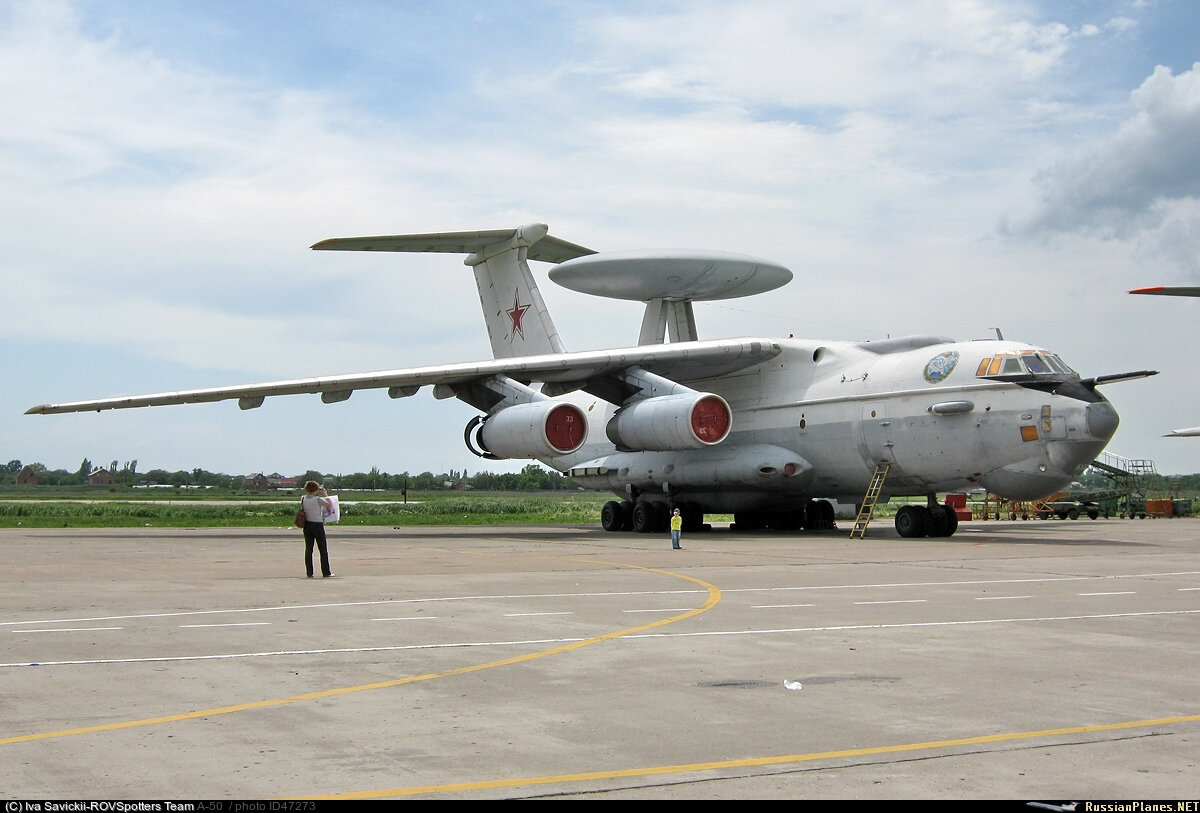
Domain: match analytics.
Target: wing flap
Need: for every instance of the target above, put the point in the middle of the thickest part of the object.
(681, 361)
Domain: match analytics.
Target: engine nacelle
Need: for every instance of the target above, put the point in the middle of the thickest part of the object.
(534, 430)
(692, 420)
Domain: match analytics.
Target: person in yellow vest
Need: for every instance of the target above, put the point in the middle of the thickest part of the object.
(676, 529)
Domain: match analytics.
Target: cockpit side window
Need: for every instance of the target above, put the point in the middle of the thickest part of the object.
(1011, 366)
(1057, 364)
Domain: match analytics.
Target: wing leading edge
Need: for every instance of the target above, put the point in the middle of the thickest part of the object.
(683, 361)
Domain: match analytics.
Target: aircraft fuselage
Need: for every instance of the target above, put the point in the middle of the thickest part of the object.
(816, 420)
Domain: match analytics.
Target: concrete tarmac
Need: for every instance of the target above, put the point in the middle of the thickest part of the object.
(1040, 660)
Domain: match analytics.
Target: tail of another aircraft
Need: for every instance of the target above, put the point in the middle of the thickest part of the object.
(518, 322)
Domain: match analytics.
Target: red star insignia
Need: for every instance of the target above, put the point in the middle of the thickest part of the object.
(516, 314)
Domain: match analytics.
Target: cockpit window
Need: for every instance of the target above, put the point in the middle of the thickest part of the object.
(1036, 365)
(1023, 363)
(1057, 364)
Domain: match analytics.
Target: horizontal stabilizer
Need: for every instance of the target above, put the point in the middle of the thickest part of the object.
(547, 249)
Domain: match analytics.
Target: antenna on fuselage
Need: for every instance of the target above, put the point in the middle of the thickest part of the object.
(999, 335)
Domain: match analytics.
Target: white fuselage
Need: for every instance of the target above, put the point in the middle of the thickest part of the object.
(836, 410)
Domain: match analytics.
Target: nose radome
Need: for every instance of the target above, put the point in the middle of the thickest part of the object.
(1102, 420)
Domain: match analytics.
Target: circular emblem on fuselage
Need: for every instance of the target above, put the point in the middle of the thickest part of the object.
(940, 366)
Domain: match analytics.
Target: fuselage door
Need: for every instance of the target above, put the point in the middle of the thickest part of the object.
(876, 433)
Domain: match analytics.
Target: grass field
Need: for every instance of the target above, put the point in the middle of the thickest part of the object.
(105, 510)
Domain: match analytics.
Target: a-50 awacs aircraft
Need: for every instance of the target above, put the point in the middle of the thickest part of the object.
(767, 429)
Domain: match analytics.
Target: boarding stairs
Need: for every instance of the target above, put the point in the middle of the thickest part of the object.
(1130, 478)
(867, 509)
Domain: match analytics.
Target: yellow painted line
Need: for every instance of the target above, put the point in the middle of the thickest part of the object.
(747, 763)
(714, 596)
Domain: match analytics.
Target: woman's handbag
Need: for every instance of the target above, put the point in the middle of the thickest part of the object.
(300, 520)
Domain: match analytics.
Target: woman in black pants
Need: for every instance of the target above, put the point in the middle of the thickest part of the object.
(314, 526)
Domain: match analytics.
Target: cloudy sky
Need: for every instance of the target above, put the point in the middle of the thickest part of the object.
(938, 166)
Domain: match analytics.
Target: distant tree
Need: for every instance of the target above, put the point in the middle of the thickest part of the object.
(13, 467)
(426, 481)
(128, 473)
(85, 468)
(533, 478)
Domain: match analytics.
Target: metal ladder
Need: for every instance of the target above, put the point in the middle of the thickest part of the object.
(867, 510)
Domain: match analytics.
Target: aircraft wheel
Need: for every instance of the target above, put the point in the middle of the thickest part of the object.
(951, 521)
(938, 521)
(643, 517)
(626, 515)
(795, 519)
(748, 520)
(611, 516)
(780, 519)
(820, 516)
(910, 521)
(662, 517)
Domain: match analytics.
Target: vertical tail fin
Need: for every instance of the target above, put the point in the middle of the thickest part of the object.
(518, 322)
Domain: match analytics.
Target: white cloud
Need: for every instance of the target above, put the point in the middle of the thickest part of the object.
(1143, 180)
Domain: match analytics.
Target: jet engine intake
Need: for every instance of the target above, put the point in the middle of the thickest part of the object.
(529, 431)
(692, 420)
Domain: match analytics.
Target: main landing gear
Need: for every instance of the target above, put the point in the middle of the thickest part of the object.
(654, 516)
(926, 520)
(648, 517)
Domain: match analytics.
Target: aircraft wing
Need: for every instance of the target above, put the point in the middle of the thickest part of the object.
(1160, 290)
(680, 361)
(546, 248)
